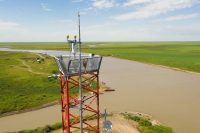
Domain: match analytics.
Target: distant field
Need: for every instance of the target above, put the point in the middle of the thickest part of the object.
(182, 55)
(23, 81)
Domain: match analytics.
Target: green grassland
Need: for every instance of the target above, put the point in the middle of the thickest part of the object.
(144, 125)
(23, 81)
(182, 55)
(36, 45)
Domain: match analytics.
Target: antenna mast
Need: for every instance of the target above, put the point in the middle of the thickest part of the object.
(79, 27)
(80, 78)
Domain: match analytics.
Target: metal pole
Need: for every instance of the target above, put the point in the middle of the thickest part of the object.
(98, 128)
(80, 78)
(105, 114)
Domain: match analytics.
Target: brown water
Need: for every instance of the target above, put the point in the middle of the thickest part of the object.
(173, 97)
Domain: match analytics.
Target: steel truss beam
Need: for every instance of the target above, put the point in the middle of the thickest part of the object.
(70, 102)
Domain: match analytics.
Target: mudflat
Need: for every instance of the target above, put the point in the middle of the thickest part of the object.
(170, 96)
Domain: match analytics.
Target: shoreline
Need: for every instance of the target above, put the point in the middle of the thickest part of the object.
(30, 109)
(120, 123)
(157, 65)
(102, 89)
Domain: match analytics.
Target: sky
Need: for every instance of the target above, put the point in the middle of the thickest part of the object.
(101, 20)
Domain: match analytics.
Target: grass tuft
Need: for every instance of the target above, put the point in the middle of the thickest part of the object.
(145, 125)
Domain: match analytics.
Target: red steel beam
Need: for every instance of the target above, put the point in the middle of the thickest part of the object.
(69, 83)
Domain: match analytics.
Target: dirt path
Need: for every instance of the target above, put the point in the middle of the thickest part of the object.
(172, 97)
(41, 56)
(30, 69)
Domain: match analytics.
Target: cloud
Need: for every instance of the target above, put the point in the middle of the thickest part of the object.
(45, 7)
(4, 25)
(100, 4)
(115, 31)
(182, 17)
(11, 31)
(156, 7)
(135, 2)
(76, 1)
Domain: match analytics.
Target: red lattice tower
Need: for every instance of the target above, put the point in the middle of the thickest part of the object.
(70, 96)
